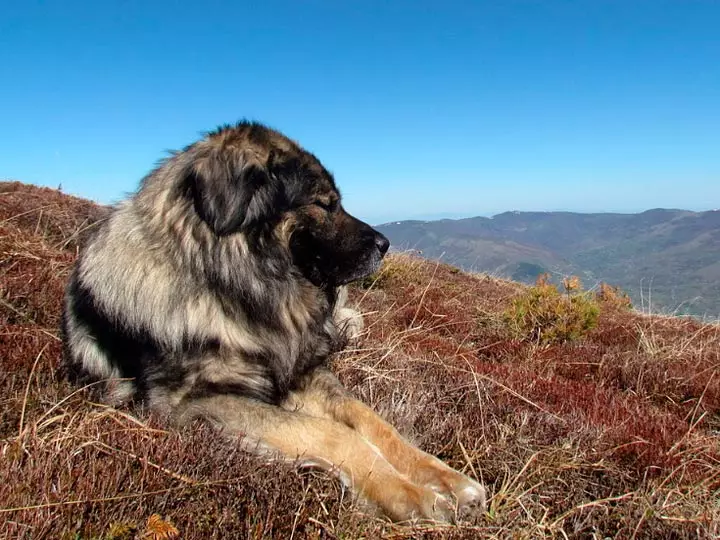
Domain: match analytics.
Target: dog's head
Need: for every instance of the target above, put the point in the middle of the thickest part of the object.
(253, 180)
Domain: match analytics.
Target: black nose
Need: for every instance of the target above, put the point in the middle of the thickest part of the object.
(382, 243)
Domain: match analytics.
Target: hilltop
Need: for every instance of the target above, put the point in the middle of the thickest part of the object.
(667, 260)
(614, 433)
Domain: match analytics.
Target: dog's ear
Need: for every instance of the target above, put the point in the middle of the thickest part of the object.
(230, 194)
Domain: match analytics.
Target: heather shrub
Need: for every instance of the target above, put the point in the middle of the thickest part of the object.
(546, 315)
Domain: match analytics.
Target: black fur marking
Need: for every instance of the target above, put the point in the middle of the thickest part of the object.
(70, 367)
(340, 251)
(230, 200)
(208, 389)
(129, 352)
(134, 352)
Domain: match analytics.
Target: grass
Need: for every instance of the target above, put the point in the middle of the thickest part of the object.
(615, 433)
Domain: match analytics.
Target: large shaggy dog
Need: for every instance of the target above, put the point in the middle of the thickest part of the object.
(215, 292)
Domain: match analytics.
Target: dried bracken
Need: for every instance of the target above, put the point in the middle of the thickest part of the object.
(159, 529)
(571, 283)
(614, 296)
(613, 434)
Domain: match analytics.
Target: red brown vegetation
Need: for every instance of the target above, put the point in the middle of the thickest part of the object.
(614, 434)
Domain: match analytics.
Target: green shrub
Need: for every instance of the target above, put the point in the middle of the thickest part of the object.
(545, 315)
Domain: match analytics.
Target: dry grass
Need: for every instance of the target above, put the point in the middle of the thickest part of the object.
(613, 435)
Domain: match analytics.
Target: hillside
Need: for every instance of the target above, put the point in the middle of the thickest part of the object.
(667, 260)
(615, 434)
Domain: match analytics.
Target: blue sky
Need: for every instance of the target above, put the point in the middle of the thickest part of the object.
(419, 108)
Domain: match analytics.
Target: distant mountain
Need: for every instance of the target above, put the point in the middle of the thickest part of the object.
(668, 260)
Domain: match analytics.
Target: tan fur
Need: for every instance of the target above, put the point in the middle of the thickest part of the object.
(405, 468)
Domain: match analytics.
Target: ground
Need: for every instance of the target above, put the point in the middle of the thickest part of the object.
(613, 434)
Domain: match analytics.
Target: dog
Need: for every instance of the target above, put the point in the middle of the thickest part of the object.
(217, 292)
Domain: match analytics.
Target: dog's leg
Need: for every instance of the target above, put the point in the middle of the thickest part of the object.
(322, 442)
(323, 395)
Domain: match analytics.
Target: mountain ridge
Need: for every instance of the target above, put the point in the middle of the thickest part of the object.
(675, 253)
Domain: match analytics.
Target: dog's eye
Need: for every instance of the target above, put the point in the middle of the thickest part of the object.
(327, 206)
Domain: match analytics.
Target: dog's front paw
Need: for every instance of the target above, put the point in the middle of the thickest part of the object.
(468, 495)
(411, 502)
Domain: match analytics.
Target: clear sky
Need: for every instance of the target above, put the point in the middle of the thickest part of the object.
(419, 108)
